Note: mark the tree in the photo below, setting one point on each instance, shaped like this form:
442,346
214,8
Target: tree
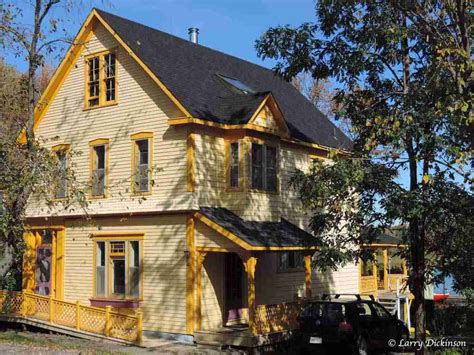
27,168
321,93
405,84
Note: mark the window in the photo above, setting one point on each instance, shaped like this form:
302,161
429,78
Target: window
117,269
290,260
237,84
264,167
142,161
99,165
381,312
61,190
395,261
233,165
62,154
101,83
367,268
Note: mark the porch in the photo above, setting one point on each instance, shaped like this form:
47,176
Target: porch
235,282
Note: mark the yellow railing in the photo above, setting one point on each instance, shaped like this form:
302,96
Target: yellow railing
396,279
368,284
277,317
74,315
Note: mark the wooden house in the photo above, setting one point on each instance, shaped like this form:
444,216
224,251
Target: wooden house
187,153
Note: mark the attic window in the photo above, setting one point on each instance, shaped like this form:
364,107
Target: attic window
237,84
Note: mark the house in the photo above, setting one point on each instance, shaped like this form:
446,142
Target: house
186,153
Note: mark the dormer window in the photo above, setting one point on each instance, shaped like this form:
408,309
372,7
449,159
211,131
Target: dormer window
237,84
101,80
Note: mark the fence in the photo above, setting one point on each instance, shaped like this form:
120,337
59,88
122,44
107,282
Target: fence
277,317
74,315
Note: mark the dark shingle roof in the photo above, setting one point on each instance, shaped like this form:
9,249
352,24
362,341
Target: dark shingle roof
260,234
190,71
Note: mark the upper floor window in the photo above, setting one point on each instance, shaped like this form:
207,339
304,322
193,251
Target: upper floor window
101,79
117,267
99,167
234,161
264,167
142,161
61,151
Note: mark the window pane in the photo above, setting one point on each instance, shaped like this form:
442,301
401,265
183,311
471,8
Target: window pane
118,272
141,179
366,268
395,262
257,166
234,164
100,157
271,168
284,259
62,171
98,176
134,269
100,269
94,86
109,60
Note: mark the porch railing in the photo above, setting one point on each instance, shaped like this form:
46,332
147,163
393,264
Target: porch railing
73,315
368,284
277,317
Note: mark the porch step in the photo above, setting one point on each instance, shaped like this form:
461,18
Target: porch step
390,304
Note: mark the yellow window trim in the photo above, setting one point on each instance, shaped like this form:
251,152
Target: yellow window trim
64,147
227,164
61,147
94,143
134,155
116,237
70,59
102,86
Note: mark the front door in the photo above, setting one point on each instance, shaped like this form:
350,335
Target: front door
43,262
233,289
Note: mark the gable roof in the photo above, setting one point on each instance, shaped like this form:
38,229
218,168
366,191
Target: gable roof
193,73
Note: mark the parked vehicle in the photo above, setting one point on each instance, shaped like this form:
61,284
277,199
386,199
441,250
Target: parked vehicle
358,325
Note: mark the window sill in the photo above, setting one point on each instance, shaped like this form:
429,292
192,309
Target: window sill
264,191
114,303
113,103
290,270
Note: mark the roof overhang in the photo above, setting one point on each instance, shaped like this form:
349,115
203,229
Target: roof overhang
244,243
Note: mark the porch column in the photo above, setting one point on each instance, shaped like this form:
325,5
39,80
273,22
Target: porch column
250,263
190,254
200,257
308,256
385,269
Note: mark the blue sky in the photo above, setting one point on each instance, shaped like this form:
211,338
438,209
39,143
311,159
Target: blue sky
228,26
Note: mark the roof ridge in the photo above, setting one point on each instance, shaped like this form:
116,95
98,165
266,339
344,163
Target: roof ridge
188,42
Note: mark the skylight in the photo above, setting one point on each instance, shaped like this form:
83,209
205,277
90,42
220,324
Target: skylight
237,84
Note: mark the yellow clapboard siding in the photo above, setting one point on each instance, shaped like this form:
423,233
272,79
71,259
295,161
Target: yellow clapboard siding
164,266
142,106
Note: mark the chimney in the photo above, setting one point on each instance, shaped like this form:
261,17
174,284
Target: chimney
193,34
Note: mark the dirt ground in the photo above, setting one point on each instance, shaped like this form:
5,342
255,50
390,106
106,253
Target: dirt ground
33,343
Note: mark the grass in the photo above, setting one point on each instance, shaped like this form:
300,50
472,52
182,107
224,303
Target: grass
51,342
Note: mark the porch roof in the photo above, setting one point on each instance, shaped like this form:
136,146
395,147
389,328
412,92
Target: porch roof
256,235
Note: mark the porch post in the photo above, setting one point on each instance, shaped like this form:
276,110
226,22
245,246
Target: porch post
200,257
385,269
190,274
250,264
308,273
